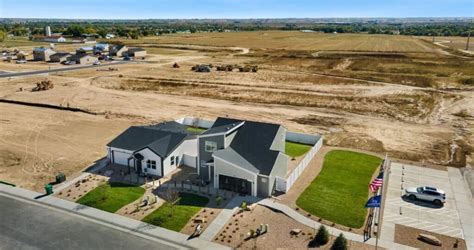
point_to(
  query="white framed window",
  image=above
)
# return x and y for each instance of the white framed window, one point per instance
(172, 160)
(151, 164)
(210, 146)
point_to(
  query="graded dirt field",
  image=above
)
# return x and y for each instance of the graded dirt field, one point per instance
(414, 106)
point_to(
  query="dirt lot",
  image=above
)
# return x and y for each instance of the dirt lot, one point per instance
(37, 143)
(409, 104)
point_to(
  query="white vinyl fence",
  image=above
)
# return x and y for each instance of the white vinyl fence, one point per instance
(283, 185)
(195, 122)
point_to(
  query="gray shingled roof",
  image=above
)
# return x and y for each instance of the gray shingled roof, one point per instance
(230, 155)
(162, 142)
(222, 128)
(252, 142)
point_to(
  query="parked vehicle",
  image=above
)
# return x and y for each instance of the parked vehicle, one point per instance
(431, 194)
(69, 62)
(21, 61)
(96, 63)
(127, 58)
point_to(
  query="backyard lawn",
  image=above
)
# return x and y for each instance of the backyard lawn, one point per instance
(294, 149)
(183, 211)
(195, 129)
(111, 197)
(341, 189)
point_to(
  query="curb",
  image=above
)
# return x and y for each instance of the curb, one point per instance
(175, 239)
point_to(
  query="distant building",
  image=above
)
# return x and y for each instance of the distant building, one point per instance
(60, 57)
(118, 50)
(83, 59)
(136, 52)
(101, 48)
(42, 54)
(54, 39)
(85, 50)
(21, 55)
(47, 31)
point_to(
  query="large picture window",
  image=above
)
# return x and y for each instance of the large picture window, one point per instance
(151, 164)
(210, 146)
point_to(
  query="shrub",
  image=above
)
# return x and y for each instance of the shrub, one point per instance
(322, 237)
(340, 243)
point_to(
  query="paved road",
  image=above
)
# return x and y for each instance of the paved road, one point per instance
(70, 68)
(26, 225)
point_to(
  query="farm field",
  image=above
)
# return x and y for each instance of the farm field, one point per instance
(339, 192)
(355, 98)
(296, 40)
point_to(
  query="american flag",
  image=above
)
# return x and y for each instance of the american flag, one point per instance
(376, 183)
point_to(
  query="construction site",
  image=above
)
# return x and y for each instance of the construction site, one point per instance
(356, 98)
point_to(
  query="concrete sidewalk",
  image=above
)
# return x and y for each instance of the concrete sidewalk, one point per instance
(464, 205)
(224, 216)
(115, 221)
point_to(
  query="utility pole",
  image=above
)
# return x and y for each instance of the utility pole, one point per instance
(468, 38)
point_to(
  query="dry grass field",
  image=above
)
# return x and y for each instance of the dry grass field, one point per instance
(296, 40)
(394, 94)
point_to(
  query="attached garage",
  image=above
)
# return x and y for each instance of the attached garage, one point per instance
(120, 157)
(234, 184)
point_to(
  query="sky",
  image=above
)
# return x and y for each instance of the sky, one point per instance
(165, 9)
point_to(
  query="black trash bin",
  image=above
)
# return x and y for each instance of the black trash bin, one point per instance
(60, 178)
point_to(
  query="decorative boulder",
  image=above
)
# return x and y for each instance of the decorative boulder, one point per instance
(295, 231)
(430, 239)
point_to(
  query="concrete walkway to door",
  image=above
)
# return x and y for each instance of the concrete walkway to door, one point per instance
(224, 216)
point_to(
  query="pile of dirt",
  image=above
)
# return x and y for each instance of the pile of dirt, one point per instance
(324, 121)
(43, 85)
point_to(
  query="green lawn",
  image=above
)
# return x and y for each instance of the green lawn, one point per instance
(294, 149)
(183, 211)
(111, 197)
(340, 191)
(195, 129)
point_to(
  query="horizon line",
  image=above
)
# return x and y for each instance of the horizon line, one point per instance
(244, 18)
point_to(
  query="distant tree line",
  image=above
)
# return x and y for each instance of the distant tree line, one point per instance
(137, 28)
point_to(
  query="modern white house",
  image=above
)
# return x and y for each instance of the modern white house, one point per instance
(242, 156)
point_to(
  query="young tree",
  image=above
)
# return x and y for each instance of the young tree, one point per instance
(322, 237)
(172, 197)
(340, 243)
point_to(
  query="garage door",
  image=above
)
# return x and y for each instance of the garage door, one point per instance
(121, 158)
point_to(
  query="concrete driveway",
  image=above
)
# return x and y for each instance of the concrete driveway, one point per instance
(453, 219)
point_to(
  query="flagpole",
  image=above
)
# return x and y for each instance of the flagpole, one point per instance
(379, 217)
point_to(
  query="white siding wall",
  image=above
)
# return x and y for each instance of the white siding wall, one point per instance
(150, 155)
(190, 147)
(167, 167)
